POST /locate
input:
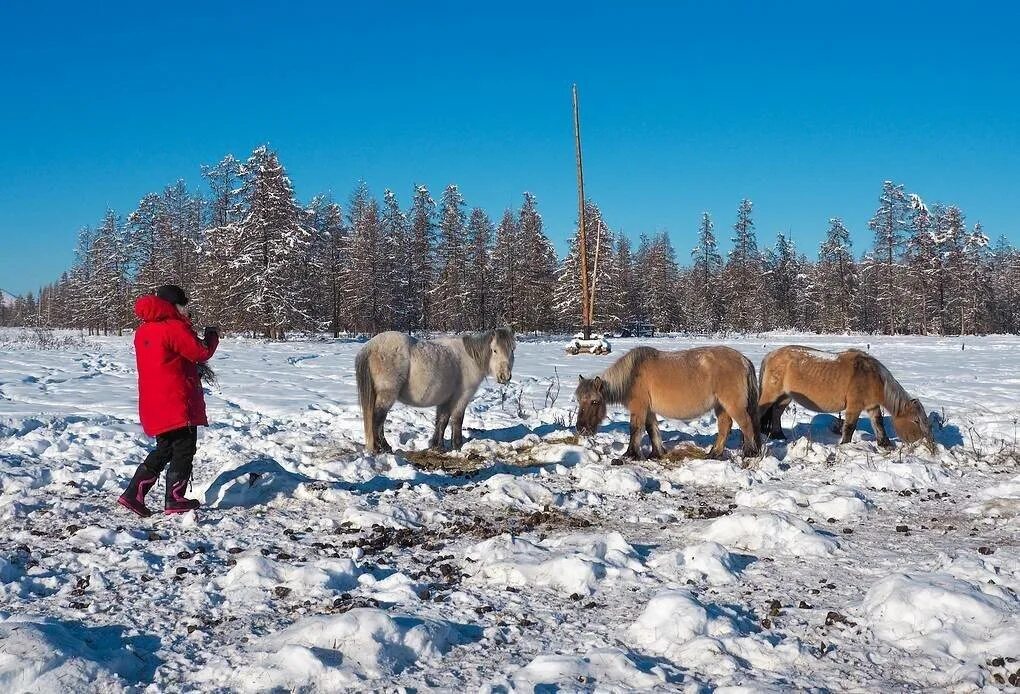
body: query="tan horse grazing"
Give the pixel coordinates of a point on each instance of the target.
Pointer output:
(678, 385)
(852, 381)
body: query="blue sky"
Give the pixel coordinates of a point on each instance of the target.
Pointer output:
(805, 108)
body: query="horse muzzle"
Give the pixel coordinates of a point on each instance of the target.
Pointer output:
(503, 378)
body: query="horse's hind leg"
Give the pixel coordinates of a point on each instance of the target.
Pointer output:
(850, 424)
(725, 423)
(875, 415)
(654, 435)
(776, 414)
(438, 442)
(380, 435)
(750, 445)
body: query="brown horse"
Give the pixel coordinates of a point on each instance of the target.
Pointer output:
(853, 381)
(678, 385)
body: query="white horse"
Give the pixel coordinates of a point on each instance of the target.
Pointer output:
(441, 373)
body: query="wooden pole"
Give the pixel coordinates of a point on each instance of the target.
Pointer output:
(582, 231)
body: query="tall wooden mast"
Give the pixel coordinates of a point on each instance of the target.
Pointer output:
(582, 232)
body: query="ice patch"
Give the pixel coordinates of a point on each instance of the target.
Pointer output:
(941, 614)
(571, 564)
(770, 531)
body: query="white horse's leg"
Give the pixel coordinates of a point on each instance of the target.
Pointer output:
(457, 419)
(438, 442)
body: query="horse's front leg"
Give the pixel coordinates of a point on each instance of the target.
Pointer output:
(850, 424)
(457, 429)
(438, 442)
(882, 438)
(637, 430)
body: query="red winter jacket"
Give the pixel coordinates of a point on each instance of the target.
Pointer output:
(167, 349)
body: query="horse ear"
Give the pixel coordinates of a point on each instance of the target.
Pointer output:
(580, 378)
(599, 383)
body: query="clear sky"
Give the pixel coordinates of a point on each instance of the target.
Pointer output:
(805, 108)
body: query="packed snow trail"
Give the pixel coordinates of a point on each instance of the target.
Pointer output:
(529, 559)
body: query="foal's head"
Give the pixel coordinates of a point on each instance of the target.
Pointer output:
(591, 404)
(501, 362)
(912, 425)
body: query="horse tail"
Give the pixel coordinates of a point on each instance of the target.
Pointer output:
(367, 397)
(765, 420)
(752, 439)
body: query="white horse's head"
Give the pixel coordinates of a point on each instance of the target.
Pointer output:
(501, 361)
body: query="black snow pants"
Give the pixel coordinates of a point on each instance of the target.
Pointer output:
(177, 449)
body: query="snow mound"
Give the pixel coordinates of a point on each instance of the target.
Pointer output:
(327, 652)
(525, 495)
(572, 564)
(770, 531)
(941, 614)
(254, 575)
(47, 655)
(999, 501)
(841, 504)
(709, 638)
(602, 669)
(624, 480)
(996, 574)
(711, 473)
(707, 562)
(893, 474)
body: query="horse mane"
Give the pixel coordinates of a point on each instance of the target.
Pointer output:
(477, 344)
(897, 399)
(620, 376)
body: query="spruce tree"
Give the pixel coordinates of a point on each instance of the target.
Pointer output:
(451, 254)
(421, 259)
(743, 276)
(704, 296)
(890, 226)
(478, 264)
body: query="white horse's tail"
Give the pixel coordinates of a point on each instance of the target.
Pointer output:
(367, 397)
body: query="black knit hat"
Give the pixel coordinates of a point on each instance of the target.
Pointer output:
(173, 294)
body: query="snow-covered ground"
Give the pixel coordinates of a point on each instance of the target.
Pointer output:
(531, 559)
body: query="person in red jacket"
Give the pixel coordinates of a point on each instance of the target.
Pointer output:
(170, 400)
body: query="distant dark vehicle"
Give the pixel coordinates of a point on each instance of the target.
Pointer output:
(637, 329)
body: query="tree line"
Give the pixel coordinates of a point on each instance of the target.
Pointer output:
(255, 260)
